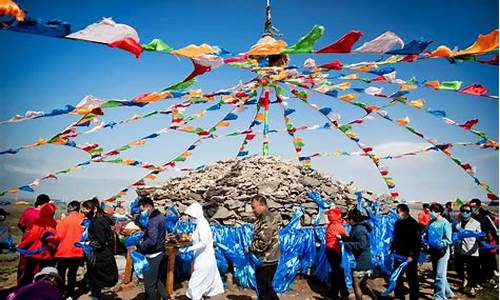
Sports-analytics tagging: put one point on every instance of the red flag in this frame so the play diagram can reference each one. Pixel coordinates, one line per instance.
(128, 44)
(469, 124)
(410, 58)
(198, 70)
(344, 44)
(491, 61)
(492, 196)
(334, 65)
(475, 89)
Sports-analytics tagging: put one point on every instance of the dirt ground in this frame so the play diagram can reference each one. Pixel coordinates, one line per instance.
(304, 287)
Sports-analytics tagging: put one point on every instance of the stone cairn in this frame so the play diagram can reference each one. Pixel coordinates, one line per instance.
(224, 190)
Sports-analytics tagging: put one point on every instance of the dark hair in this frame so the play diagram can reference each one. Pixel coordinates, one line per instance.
(91, 205)
(436, 207)
(403, 208)
(41, 199)
(146, 201)
(259, 198)
(476, 202)
(355, 215)
(73, 206)
(425, 205)
(465, 206)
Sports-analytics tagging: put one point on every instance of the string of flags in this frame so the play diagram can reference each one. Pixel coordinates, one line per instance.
(345, 82)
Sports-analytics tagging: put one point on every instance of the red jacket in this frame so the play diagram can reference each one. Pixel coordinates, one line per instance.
(424, 217)
(28, 217)
(69, 231)
(334, 228)
(43, 225)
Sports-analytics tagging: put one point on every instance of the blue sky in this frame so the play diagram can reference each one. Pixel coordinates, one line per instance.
(41, 73)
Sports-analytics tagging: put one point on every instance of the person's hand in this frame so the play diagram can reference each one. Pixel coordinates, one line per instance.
(339, 237)
(409, 259)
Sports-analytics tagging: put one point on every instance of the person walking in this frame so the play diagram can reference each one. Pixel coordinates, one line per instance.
(205, 279)
(266, 247)
(39, 244)
(439, 235)
(359, 245)
(335, 232)
(487, 258)
(467, 251)
(407, 243)
(25, 222)
(101, 265)
(152, 246)
(69, 257)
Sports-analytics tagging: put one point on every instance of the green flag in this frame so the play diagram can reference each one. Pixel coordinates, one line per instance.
(306, 43)
(450, 85)
(180, 85)
(157, 45)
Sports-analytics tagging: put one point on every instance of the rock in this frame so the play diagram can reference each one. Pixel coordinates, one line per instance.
(267, 187)
(310, 181)
(223, 213)
(225, 188)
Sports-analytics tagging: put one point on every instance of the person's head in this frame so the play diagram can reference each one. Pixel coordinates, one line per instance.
(195, 212)
(73, 206)
(41, 200)
(475, 205)
(146, 205)
(354, 216)
(335, 215)
(448, 206)
(403, 210)
(436, 210)
(425, 206)
(259, 205)
(465, 212)
(91, 209)
(49, 275)
(3, 214)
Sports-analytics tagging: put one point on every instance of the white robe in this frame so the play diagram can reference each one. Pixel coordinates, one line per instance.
(205, 279)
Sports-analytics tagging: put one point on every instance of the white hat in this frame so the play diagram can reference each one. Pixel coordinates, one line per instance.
(48, 271)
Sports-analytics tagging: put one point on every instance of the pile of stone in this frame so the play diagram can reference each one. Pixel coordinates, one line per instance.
(225, 188)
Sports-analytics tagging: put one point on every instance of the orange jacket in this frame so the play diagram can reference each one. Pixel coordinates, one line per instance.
(43, 225)
(69, 231)
(334, 228)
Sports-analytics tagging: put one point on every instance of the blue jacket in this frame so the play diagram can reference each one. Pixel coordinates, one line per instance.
(439, 234)
(153, 240)
(359, 245)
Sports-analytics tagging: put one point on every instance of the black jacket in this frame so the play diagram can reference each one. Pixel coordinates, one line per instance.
(407, 240)
(103, 272)
(359, 245)
(153, 240)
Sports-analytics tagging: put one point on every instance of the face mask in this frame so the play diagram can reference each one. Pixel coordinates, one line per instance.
(2, 218)
(400, 217)
(465, 214)
(474, 210)
(433, 215)
(144, 213)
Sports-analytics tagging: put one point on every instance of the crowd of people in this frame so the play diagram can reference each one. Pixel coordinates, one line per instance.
(474, 255)
(51, 251)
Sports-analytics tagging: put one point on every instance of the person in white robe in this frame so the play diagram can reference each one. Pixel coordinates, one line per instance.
(205, 280)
